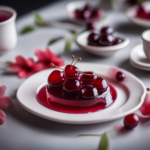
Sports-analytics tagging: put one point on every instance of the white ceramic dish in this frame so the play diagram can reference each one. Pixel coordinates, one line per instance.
(130, 13)
(130, 96)
(101, 50)
(71, 7)
(138, 58)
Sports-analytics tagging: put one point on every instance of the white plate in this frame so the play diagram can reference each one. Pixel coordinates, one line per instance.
(101, 50)
(130, 13)
(71, 7)
(130, 96)
(138, 58)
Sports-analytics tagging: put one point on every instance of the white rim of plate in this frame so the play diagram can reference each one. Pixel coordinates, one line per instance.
(26, 96)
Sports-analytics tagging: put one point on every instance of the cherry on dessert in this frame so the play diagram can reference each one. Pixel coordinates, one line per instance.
(85, 15)
(120, 76)
(106, 30)
(106, 40)
(88, 92)
(100, 84)
(117, 41)
(56, 78)
(141, 12)
(71, 86)
(90, 26)
(131, 121)
(88, 76)
(93, 38)
(96, 13)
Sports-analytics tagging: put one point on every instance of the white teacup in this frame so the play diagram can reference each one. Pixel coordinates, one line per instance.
(146, 43)
(8, 35)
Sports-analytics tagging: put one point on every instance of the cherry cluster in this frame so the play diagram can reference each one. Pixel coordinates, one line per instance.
(104, 38)
(141, 12)
(86, 85)
(86, 13)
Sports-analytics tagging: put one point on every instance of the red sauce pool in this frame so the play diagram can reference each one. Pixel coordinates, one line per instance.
(4, 16)
(42, 99)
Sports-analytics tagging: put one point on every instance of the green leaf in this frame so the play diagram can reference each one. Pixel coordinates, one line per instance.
(28, 29)
(54, 40)
(104, 143)
(68, 44)
(38, 18)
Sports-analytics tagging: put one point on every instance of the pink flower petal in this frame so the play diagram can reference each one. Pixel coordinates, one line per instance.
(21, 60)
(5, 101)
(14, 67)
(40, 54)
(2, 117)
(23, 74)
(39, 66)
(49, 54)
(30, 62)
(2, 90)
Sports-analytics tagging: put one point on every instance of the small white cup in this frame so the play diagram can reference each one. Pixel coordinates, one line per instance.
(8, 34)
(146, 43)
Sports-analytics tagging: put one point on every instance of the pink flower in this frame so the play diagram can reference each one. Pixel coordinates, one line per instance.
(46, 57)
(145, 108)
(5, 101)
(24, 67)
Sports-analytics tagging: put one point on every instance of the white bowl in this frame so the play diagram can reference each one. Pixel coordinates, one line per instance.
(101, 50)
(130, 13)
(71, 7)
(130, 96)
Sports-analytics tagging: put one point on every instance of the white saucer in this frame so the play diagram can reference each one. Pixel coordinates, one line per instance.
(130, 96)
(130, 13)
(71, 7)
(101, 50)
(138, 58)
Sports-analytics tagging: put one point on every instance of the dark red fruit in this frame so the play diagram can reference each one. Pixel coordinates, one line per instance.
(88, 78)
(71, 72)
(88, 92)
(131, 121)
(87, 7)
(71, 86)
(56, 78)
(106, 40)
(77, 13)
(141, 12)
(120, 76)
(106, 30)
(117, 41)
(85, 15)
(90, 26)
(96, 13)
(93, 38)
(100, 84)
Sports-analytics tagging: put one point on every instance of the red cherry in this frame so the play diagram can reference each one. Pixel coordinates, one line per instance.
(93, 38)
(77, 13)
(88, 78)
(71, 72)
(85, 15)
(71, 87)
(106, 40)
(131, 121)
(120, 76)
(117, 41)
(90, 26)
(96, 13)
(100, 84)
(56, 78)
(88, 92)
(106, 30)
(141, 12)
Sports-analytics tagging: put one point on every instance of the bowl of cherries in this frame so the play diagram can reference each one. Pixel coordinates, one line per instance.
(140, 14)
(82, 13)
(103, 43)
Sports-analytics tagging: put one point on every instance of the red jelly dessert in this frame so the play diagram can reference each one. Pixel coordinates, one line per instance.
(87, 13)
(73, 91)
(105, 38)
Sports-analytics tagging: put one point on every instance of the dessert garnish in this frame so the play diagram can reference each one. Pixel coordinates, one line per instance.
(104, 38)
(120, 76)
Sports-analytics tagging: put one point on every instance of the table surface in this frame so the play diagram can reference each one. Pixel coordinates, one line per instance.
(23, 130)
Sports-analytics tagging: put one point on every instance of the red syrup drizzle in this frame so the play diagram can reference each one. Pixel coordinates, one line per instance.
(42, 99)
(4, 17)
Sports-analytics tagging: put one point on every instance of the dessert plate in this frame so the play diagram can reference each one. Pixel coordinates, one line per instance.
(100, 50)
(130, 96)
(71, 7)
(130, 13)
(138, 58)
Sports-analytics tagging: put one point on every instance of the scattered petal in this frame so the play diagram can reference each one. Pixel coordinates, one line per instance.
(5, 101)
(2, 90)
(2, 117)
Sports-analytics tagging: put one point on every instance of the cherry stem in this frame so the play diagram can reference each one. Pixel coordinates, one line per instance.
(148, 89)
(89, 74)
(72, 59)
(78, 60)
(55, 66)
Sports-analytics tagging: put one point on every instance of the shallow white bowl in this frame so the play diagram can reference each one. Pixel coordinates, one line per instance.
(130, 13)
(130, 96)
(101, 50)
(71, 7)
